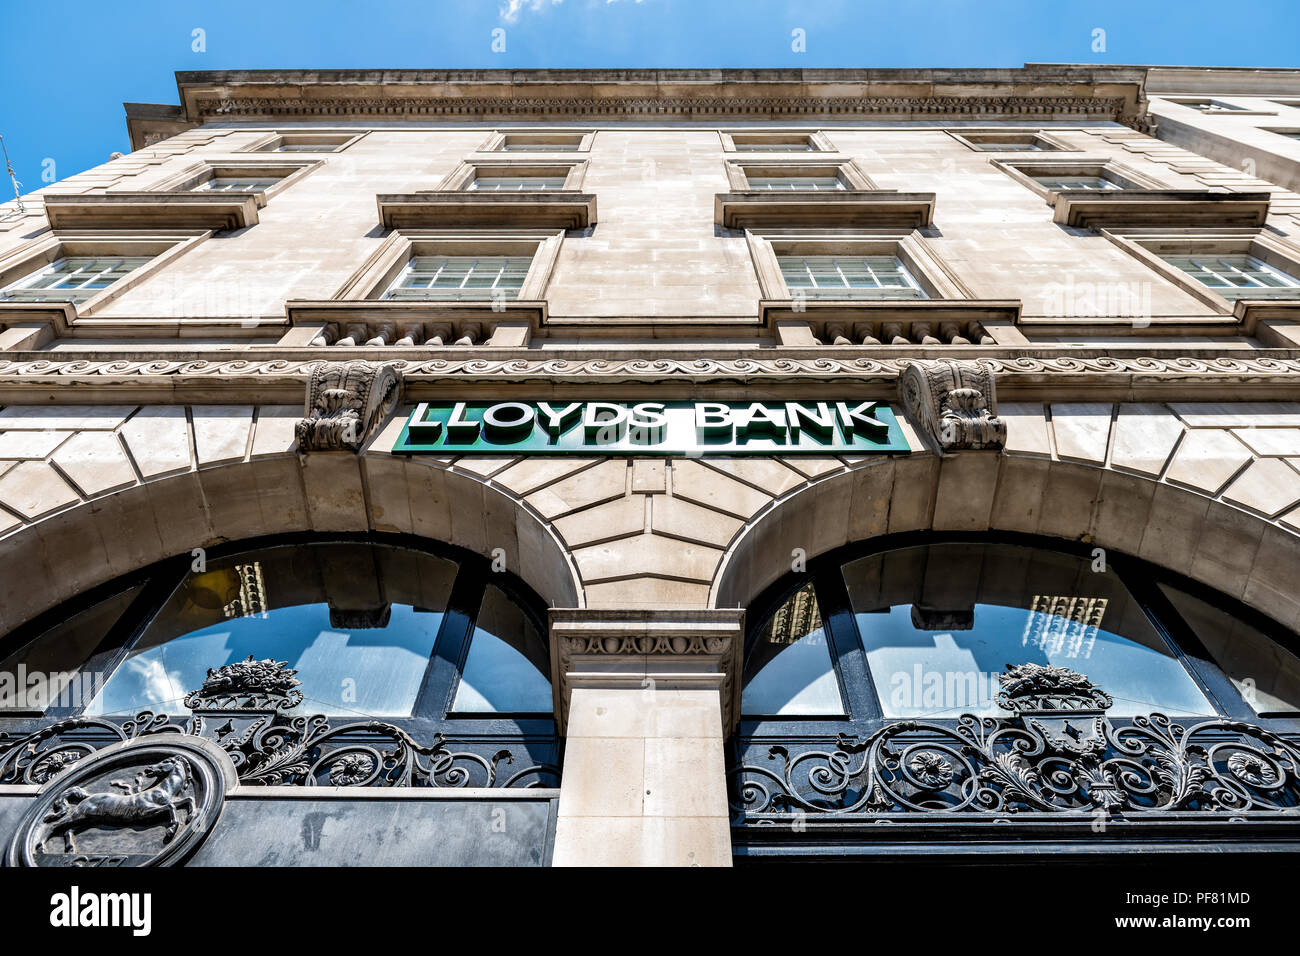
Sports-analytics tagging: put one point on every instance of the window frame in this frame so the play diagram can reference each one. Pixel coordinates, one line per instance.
(1026, 172)
(338, 139)
(1151, 246)
(980, 139)
(462, 177)
(431, 710)
(745, 141)
(376, 276)
(851, 176)
(931, 274)
(161, 248)
(863, 713)
(284, 173)
(559, 139)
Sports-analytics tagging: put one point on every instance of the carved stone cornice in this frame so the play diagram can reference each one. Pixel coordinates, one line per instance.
(1139, 378)
(1032, 93)
(954, 404)
(648, 648)
(603, 368)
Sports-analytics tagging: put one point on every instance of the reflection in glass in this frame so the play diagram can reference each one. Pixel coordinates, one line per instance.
(1266, 674)
(788, 671)
(55, 658)
(505, 671)
(357, 621)
(940, 622)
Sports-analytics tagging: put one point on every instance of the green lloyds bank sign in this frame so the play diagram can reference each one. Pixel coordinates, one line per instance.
(652, 428)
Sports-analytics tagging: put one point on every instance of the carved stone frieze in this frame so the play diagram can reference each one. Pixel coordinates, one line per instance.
(953, 403)
(346, 403)
(983, 106)
(883, 369)
(678, 648)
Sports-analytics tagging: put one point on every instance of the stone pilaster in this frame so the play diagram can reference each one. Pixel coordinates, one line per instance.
(646, 699)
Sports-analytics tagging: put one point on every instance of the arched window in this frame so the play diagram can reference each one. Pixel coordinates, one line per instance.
(925, 630)
(876, 650)
(384, 629)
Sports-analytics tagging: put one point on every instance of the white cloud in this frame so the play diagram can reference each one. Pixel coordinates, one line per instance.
(512, 9)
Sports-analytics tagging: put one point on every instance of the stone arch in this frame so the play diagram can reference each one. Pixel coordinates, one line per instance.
(1223, 546)
(71, 550)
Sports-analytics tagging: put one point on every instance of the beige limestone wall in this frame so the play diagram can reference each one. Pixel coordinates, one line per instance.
(655, 253)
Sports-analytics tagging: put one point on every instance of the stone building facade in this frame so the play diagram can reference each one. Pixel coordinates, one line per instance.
(322, 318)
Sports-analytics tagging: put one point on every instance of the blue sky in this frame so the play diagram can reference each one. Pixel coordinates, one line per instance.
(61, 99)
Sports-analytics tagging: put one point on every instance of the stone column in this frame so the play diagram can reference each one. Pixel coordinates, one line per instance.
(646, 700)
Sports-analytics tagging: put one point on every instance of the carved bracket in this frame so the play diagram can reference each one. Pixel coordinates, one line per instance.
(953, 403)
(346, 403)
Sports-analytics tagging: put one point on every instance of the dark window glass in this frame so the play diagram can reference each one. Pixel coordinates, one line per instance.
(1266, 674)
(357, 621)
(505, 671)
(45, 672)
(788, 671)
(940, 622)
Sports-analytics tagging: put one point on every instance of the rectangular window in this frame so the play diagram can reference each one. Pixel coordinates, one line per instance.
(1238, 276)
(796, 182)
(461, 277)
(516, 183)
(231, 184)
(802, 146)
(849, 277)
(72, 279)
(1209, 106)
(532, 147)
(1076, 182)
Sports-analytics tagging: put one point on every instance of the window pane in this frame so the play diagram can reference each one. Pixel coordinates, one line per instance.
(788, 671)
(44, 673)
(940, 622)
(460, 277)
(1238, 276)
(1266, 674)
(357, 621)
(72, 279)
(506, 670)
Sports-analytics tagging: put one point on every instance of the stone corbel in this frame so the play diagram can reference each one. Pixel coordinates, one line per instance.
(663, 648)
(347, 402)
(953, 404)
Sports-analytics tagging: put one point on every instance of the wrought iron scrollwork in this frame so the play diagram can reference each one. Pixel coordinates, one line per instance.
(241, 707)
(1057, 753)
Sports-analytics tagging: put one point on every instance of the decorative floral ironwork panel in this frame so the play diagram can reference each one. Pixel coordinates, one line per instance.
(1057, 753)
(242, 707)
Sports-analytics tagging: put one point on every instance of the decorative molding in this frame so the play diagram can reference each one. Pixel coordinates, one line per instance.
(635, 368)
(487, 107)
(681, 647)
(1057, 754)
(346, 403)
(953, 403)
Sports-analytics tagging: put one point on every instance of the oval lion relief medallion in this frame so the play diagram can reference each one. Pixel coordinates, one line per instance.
(144, 802)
